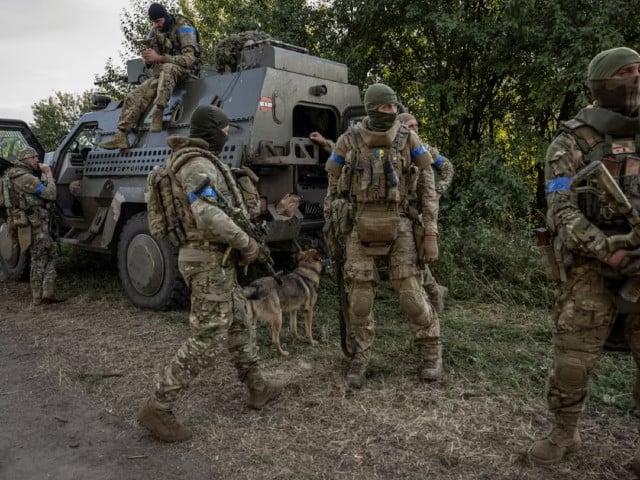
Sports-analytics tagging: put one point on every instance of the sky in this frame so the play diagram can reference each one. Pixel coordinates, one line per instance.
(54, 45)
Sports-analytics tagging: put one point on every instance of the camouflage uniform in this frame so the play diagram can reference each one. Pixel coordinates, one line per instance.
(179, 46)
(218, 309)
(31, 200)
(592, 274)
(355, 187)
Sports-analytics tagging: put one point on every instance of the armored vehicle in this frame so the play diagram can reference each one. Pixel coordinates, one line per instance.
(275, 98)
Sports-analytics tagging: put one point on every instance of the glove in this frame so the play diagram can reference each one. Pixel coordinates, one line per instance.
(428, 248)
(250, 252)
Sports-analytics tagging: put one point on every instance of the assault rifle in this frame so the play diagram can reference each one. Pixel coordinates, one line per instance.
(255, 230)
(610, 192)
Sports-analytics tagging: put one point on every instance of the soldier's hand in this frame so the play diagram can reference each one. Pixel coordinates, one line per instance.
(428, 248)
(250, 252)
(46, 169)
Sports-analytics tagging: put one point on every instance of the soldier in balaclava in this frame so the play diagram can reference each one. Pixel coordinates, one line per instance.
(218, 316)
(29, 215)
(172, 52)
(373, 203)
(590, 266)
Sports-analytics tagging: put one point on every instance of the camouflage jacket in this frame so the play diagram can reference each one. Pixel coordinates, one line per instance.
(210, 222)
(414, 153)
(30, 194)
(179, 45)
(443, 167)
(595, 134)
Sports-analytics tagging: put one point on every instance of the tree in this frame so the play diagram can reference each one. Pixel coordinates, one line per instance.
(53, 117)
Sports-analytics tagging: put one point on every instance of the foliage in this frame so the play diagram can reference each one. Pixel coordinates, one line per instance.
(54, 116)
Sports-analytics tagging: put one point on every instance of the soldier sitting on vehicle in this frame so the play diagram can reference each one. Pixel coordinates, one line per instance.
(172, 51)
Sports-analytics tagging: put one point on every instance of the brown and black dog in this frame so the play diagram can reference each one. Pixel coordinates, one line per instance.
(267, 299)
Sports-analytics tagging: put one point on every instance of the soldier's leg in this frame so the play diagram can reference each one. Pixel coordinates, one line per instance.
(583, 315)
(245, 358)
(434, 291)
(170, 75)
(38, 263)
(361, 276)
(632, 336)
(423, 321)
(49, 276)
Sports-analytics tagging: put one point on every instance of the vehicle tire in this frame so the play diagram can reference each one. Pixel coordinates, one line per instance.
(14, 263)
(148, 268)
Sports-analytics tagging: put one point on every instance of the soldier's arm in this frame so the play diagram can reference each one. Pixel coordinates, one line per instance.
(27, 183)
(188, 39)
(334, 165)
(205, 204)
(426, 188)
(563, 160)
(444, 167)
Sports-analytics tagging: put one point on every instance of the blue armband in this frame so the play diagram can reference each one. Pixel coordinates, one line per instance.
(438, 162)
(334, 157)
(40, 189)
(418, 151)
(559, 184)
(207, 192)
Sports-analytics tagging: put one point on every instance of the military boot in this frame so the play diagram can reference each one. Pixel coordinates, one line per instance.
(119, 140)
(431, 367)
(162, 424)
(263, 394)
(564, 438)
(156, 119)
(357, 371)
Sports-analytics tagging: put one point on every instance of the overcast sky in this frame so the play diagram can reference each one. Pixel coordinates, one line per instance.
(54, 45)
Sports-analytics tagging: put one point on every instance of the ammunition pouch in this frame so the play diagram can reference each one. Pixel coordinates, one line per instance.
(377, 224)
(341, 218)
(18, 218)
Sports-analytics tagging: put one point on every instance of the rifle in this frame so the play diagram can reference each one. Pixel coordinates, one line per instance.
(337, 252)
(257, 231)
(611, 193)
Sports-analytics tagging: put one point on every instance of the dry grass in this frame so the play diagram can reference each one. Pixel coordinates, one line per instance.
(468, 426)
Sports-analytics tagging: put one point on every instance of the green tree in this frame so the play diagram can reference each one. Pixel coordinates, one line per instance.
(53, 117)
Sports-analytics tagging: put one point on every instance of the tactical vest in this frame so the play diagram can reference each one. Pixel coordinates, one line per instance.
(619, 151)
(24, 209)
(173, 41)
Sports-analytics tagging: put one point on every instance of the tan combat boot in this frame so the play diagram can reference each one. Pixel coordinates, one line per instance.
(431, 367)
(162, 423)
(564, 438)
(259, 396)
(357, 371)
(119, 140)
(156, 119)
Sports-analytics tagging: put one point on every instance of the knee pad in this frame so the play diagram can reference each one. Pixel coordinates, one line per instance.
(413, 303)
(361, 299)
(571, 371)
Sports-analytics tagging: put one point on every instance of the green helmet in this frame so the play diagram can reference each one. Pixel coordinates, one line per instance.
(606, 63)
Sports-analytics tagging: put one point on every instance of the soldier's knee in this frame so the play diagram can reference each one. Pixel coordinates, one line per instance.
(571, 371)
(413, 303)
(361, 298)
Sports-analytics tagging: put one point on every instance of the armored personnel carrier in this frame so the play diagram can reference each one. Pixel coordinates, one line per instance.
(275, 98)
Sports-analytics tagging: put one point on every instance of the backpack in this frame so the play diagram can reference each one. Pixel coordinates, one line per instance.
(162, 211)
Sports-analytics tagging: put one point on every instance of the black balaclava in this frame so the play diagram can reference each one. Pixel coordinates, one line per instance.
(157, 11)
(207, 123)
(376, 95)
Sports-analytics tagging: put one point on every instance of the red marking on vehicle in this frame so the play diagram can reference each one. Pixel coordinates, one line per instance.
(266, 104)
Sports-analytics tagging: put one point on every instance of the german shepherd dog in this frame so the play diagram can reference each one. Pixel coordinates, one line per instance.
(268, 299)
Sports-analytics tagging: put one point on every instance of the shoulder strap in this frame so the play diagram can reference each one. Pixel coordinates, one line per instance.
(587, 137)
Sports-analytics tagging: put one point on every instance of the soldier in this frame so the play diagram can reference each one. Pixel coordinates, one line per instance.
(218, 309)
(591, 268)
(31, 200)
(373, 203)
(443, 166)
(172, 51)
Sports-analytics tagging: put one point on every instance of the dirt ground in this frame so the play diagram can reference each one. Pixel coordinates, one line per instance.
(74, 375)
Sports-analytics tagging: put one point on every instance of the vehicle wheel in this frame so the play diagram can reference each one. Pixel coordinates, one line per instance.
(148, 268)
(14, 262)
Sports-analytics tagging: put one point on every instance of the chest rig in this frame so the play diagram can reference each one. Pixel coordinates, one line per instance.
(620, 154)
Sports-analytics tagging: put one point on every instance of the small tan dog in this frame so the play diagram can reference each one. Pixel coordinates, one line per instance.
(267, 299)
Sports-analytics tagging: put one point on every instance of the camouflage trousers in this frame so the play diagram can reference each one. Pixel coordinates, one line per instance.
(584, 313)
(361, 275)
(218, 317)
(156, 91)
(43, 262)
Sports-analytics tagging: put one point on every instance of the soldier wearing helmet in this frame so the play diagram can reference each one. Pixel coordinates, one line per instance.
(31, 199)
(378, 214)
(590, 268)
